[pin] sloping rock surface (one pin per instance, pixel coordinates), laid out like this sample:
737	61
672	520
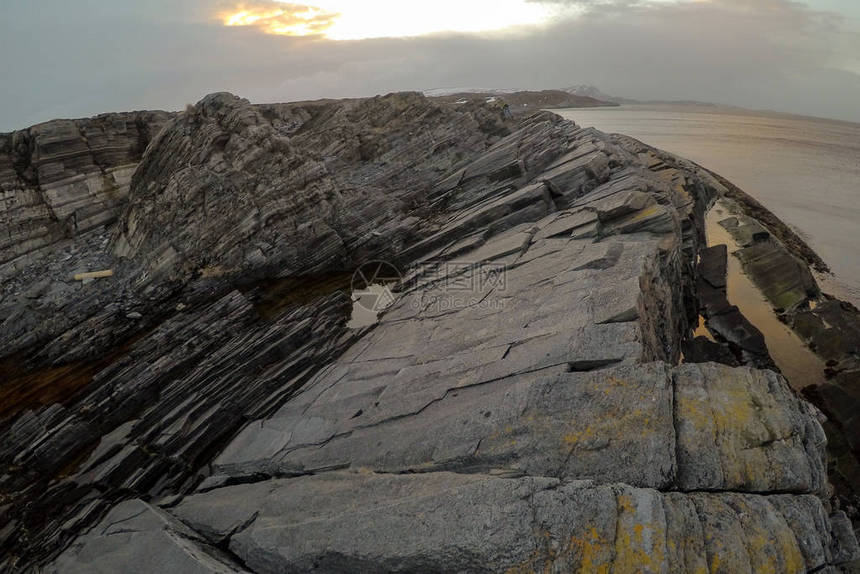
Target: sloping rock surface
521	406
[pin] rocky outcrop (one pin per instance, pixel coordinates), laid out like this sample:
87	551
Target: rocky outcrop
522	405
65	177
302	188
61	183
779	263
117	410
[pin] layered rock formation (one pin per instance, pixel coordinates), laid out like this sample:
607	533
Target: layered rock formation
65	177
524	404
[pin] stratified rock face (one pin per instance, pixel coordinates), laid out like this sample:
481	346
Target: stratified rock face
61	183
286	190
66	177
522	406
233	191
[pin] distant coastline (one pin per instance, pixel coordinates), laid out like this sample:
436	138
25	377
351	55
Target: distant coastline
520	101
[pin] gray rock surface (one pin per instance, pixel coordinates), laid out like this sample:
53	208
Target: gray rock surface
138	537
521	406
733	423
448	522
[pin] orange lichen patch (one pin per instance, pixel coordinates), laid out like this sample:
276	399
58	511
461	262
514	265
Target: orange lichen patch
614	423
696	413
594	552
640	541
589	553
715	563
772	550
576	437
616	382
735	409
729	420
501	440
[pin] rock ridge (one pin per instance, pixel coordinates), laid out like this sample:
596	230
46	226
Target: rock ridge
523	405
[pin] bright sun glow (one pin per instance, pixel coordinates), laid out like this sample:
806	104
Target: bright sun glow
353	20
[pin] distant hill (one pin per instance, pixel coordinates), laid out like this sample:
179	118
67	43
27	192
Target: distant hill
525	100
440	92
593	92
580	96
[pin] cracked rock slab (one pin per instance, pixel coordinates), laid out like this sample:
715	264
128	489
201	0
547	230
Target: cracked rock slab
744	429
138	537
613	425
444	522
480	366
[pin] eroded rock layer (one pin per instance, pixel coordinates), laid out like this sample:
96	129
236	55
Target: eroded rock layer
65	177
522	406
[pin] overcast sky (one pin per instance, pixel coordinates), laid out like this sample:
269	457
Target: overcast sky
75	58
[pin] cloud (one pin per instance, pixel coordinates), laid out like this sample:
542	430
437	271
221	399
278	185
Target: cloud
280	18
772	54
351	20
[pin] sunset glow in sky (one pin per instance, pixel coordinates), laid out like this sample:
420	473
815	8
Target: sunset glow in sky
351	20
798	56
